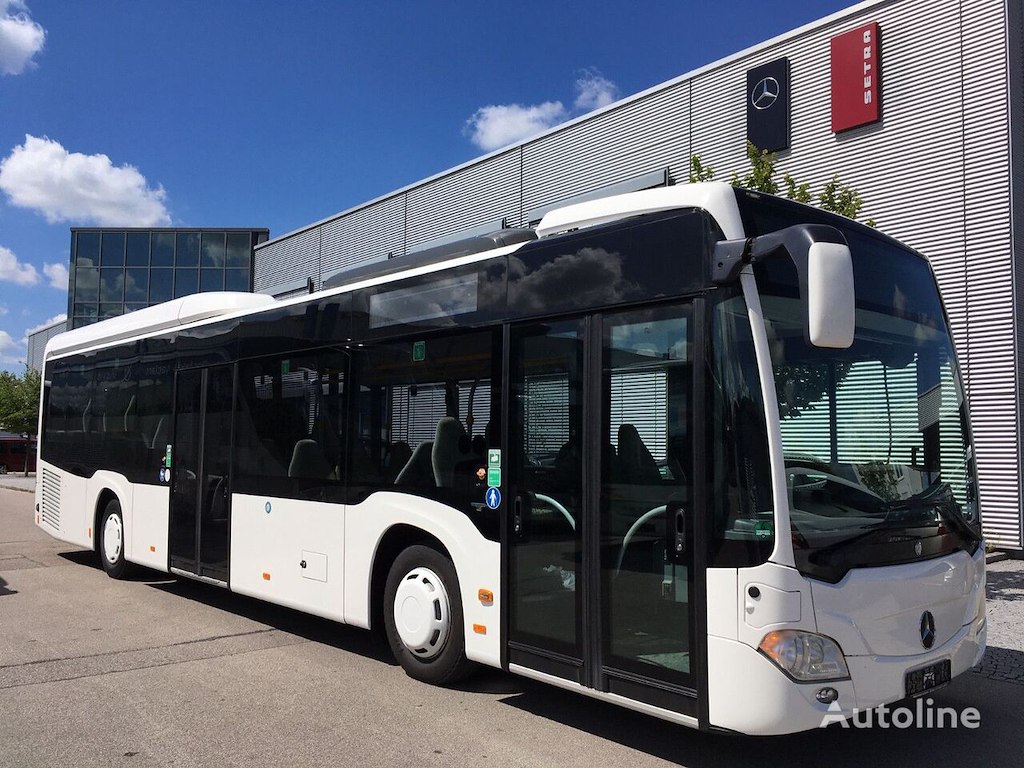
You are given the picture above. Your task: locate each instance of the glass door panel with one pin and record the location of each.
(188, 397)
(200, 472)
(546, 488)
(646, 494)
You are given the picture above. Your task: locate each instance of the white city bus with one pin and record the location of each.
(697, 451)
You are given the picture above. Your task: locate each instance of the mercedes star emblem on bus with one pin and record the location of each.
(927, 629)
(765, 93)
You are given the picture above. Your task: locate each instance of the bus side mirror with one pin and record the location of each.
(831, 307)
(824, 269)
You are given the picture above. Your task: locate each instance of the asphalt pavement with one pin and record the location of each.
(153, 671)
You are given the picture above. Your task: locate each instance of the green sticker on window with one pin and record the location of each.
(493, 477)
(286, 367)
(419, 351)
(494, 457)
(763, 529)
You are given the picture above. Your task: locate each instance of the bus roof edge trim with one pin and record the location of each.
(717, 198)
(170, 314)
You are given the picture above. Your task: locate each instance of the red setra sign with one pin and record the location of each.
(856, 78)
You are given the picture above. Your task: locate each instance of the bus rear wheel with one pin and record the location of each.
(111, 541)
(423, 617)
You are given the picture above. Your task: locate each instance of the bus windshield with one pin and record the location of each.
(879, 462)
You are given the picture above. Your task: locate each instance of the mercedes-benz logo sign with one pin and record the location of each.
(927, 629)
(765, 93)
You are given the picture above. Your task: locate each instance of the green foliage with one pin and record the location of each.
(799, 192)
(760, 177)
(839, 198)
(880, 478)
(19, 401)
(700, 172)
(835, 197)
(803, 387)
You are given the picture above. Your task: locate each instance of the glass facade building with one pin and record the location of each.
(114, 271)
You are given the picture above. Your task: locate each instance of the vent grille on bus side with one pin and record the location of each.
(50, 506)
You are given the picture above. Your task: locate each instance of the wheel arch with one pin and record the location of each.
(103, 498)
(395, 540)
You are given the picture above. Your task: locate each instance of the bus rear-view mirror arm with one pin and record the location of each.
(824, 269)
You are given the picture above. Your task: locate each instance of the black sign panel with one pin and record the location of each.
(768, 105)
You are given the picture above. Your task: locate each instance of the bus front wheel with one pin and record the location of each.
(111, 543)
(423, 617)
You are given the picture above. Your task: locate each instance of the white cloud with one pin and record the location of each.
(57, 274)
(3, 310)
(498, 125)
(14, 271)
(46, 324)
(11, 352)
(593, 91)
(68, 186)
(20, 38)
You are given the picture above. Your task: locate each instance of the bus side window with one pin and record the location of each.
(287, 440)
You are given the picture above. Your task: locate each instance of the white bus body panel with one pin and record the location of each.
(716, 197)
(339, 543)
(873, 614)
(477, 562)
(147, 544)
(73, 520)
(877, 611)
(160, 317)
(268, 549)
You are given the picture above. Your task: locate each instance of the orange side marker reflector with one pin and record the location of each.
(480, 629)
(152, 548)
(486, 596)
(266, 576)
(90, 532)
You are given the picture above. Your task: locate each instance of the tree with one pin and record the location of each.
(835, 197)
(19, 403)
(804, 385)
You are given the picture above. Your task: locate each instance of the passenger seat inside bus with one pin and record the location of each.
(309, 461)
(637, 464)
(451, 446)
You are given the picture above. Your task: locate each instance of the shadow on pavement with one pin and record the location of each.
(1005, 585)
(294, 622)
(998, 740)
(4, 590)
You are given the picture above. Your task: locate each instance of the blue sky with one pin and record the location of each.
(276, 114)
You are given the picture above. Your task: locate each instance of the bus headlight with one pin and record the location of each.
(805, 656)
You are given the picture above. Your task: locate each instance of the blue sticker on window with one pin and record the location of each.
(493, 498)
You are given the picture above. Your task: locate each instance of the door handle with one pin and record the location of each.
(677, 538)
(517, 517)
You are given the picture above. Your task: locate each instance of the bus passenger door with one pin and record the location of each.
(200, 472)
(544, 510)
(601, 507)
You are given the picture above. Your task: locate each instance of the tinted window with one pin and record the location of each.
(138, 249)
(213, 249)
(163, 249)
(423, 414)
(113, 249)
(186, 249)
(289, 433)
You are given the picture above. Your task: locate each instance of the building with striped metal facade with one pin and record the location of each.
(941, 170)
(36, 342)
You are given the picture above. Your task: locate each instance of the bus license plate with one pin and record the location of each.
(925, 679)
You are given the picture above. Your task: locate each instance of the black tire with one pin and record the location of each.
(111, 549)
(430, 588)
